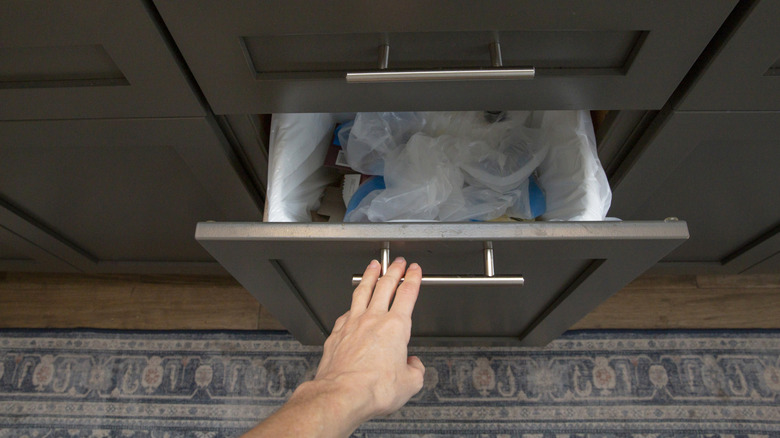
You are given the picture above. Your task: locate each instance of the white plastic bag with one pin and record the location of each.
(298, 145)
(574, 184)
(571, 175)
(506, 165)
(479, 204)
(419, 177)
(374, 135)
(426, 177)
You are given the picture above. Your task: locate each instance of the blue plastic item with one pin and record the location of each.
(371, 184)
(536, 198)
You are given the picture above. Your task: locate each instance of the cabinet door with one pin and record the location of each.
(18, 254)
(743, 71)
(88, 59)
(718, 172)
(121, 195)
(302, 272)
(768, 266)
(292, 55)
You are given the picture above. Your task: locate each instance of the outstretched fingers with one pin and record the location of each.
(385, 287)
(363, 292)
(406, 295)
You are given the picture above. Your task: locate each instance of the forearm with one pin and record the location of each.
(316, 409)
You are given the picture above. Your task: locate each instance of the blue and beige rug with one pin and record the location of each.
(207, 385)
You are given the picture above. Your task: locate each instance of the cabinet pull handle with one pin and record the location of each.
(441, 75)
(489, 279)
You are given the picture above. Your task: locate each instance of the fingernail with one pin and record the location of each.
(399, 259)
(413, 267)
(374, 264)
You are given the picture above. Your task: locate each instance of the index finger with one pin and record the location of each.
(407, 292)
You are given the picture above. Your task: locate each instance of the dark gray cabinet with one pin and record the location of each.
(121, 195)
(770, 265)
(253, 57)
(19, 254)
(711, 156)
(88, 59)
(718, 171)
(743, 72)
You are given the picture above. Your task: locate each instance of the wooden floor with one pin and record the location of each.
(197, 303)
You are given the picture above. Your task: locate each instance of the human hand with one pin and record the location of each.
(367, 350)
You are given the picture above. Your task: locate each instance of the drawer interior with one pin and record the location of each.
(602, 122)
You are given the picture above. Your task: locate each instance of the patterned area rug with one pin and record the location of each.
(208, 385)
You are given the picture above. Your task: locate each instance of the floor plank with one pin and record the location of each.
(126, 302)
(738, 281)
(687, 308)
(205, 303)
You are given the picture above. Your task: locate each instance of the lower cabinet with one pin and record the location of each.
(719, 172)
(118, 195)
(19, 254)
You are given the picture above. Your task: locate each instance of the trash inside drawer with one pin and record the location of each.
(470, 166)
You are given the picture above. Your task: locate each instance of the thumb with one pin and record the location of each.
(417, 371)
(415, 362)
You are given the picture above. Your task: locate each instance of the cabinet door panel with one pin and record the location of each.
(744, 73)
(302, 272)
(718, 172)
(292, 55)
(88, 59)
(123, 191)
(768, 266)
(18, 254)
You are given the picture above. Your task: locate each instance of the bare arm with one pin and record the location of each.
(365, 371)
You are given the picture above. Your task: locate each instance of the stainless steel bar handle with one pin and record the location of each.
(500, 280)
(384, 56)
(385, 260)
(490, 270)
(489, 279)
(441, 75)
(495, 54)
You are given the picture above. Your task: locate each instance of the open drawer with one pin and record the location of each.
(302, 271)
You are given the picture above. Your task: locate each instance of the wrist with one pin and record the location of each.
(342, 400)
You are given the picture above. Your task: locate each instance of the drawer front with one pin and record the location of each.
(302, 272)
(293, 55)
(88, 59)
(743, 72)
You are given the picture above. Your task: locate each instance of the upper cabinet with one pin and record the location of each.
(88, 59)
(743, 73)
(294, 55)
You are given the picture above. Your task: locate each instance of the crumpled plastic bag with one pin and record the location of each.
(460, 167)
(373, 136)
(419, 177)
(506, 165)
